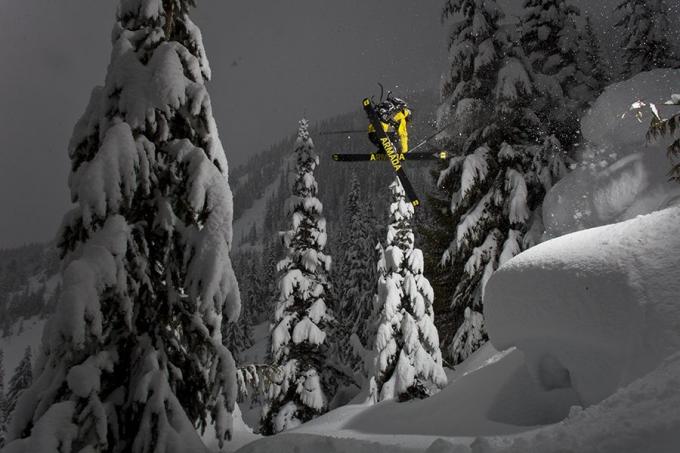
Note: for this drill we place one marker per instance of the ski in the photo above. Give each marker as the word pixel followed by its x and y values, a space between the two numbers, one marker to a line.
pixel 391 152
pixel 345 157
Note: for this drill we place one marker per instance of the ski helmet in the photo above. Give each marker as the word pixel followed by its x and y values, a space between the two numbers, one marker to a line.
pixel 398 103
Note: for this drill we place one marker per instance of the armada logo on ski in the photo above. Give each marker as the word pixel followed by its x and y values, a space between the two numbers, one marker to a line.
pixel 375 156
pixel 391 153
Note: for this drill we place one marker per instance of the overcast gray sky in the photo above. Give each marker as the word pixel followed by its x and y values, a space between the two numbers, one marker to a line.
pixel 273 61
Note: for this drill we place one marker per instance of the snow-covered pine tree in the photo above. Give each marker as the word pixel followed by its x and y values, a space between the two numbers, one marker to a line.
pixel 592 77
pixel 345 251
pixel 133 358
pixel 646 32
pixel 268 290
pixel 21 380
pixel 490 184
pixel 550 39
pixel 408 362
pixel 665 127
pixel 475 54
pixel 238 335
pixel 299 340
pixel 355 277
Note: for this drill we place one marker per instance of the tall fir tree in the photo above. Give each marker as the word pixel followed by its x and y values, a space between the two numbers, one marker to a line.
pixel 355 278
pixel 299 332
pixel 20 381
pixel 551 41
pixel 408 362
pixel 239 335
pixel 475 49
pixel 133 358
pixel 268 290
pixel 646 32
pixel 490 187
pixel 593 76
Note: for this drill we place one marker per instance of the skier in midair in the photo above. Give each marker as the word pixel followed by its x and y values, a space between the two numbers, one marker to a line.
pixel 394 117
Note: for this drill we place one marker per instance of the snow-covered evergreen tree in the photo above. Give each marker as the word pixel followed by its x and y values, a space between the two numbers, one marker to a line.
pixel 346 250
pixel 133 358
pixel 475 55
pixel 551 42
pixel 490 187
pixel 549 39
pixel 549 162
pixel 299 332
pixel 268 289
pixel 238 335
pixel 665 127
pixel 355 277
pixel 592 77
pixel 408 362
pixel 646 35
pixel 21 380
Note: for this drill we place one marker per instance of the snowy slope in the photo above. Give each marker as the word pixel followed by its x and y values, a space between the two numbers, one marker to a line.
pixel 491 393
pixel 24 333
pixel 642 417
pixel 31 285
pixel 254 215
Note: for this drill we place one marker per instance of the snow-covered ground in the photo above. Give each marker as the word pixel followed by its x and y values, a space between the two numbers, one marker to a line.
pixel 588 324
pixel 592 323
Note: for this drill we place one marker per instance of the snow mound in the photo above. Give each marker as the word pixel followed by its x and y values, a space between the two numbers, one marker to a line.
pixel 498 398
pixel 620 174
pixel 592 310
pixel 642 417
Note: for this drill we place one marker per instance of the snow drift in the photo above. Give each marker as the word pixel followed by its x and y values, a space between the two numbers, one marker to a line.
pixel 642 417
pixel 592 310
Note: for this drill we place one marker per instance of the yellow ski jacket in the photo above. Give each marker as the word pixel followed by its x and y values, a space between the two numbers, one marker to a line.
pixel 400 118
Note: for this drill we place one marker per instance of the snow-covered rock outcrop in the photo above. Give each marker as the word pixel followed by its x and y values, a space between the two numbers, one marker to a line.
pixel 620 175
